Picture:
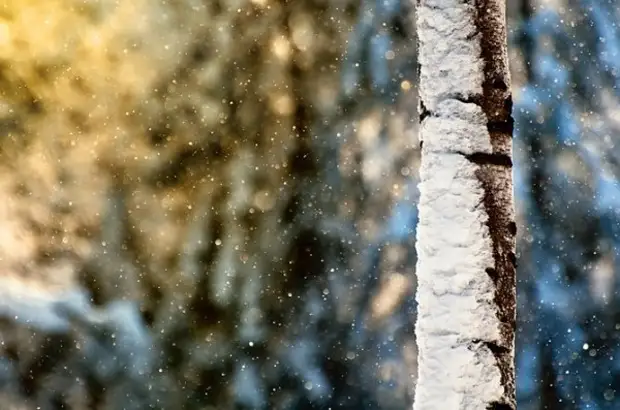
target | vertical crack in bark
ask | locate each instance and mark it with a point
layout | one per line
(502, 274)
(496, 178)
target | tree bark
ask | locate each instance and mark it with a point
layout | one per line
(466, 233)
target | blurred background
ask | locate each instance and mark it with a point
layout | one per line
(210, 204)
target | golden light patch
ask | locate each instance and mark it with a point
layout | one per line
(281, 48)
(5, 35)
(282, 104)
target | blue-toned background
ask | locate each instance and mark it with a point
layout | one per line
(568, 196)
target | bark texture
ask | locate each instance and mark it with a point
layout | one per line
(466, 234)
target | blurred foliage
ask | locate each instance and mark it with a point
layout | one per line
(569, 198)
(206, 204)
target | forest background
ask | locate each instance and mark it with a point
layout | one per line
(212, 204)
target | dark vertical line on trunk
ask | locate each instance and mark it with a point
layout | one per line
(496, 179)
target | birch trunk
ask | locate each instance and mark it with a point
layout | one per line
(466, 233)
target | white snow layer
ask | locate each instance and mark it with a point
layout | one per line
(455, 294)
(462, 128)
(456, 310)
(449, 52)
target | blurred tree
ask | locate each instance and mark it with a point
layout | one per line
(568, 195)
(205, 204)
(466, 233)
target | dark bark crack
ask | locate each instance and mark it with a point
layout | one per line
(499, 406)
(494, 347)
(483, 158)
(424, 112)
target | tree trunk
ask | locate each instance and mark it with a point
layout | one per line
(466, 234)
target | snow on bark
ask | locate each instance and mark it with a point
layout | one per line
(465, 237)
(449, 51)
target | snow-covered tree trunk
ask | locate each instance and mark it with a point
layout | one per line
(465, 237)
